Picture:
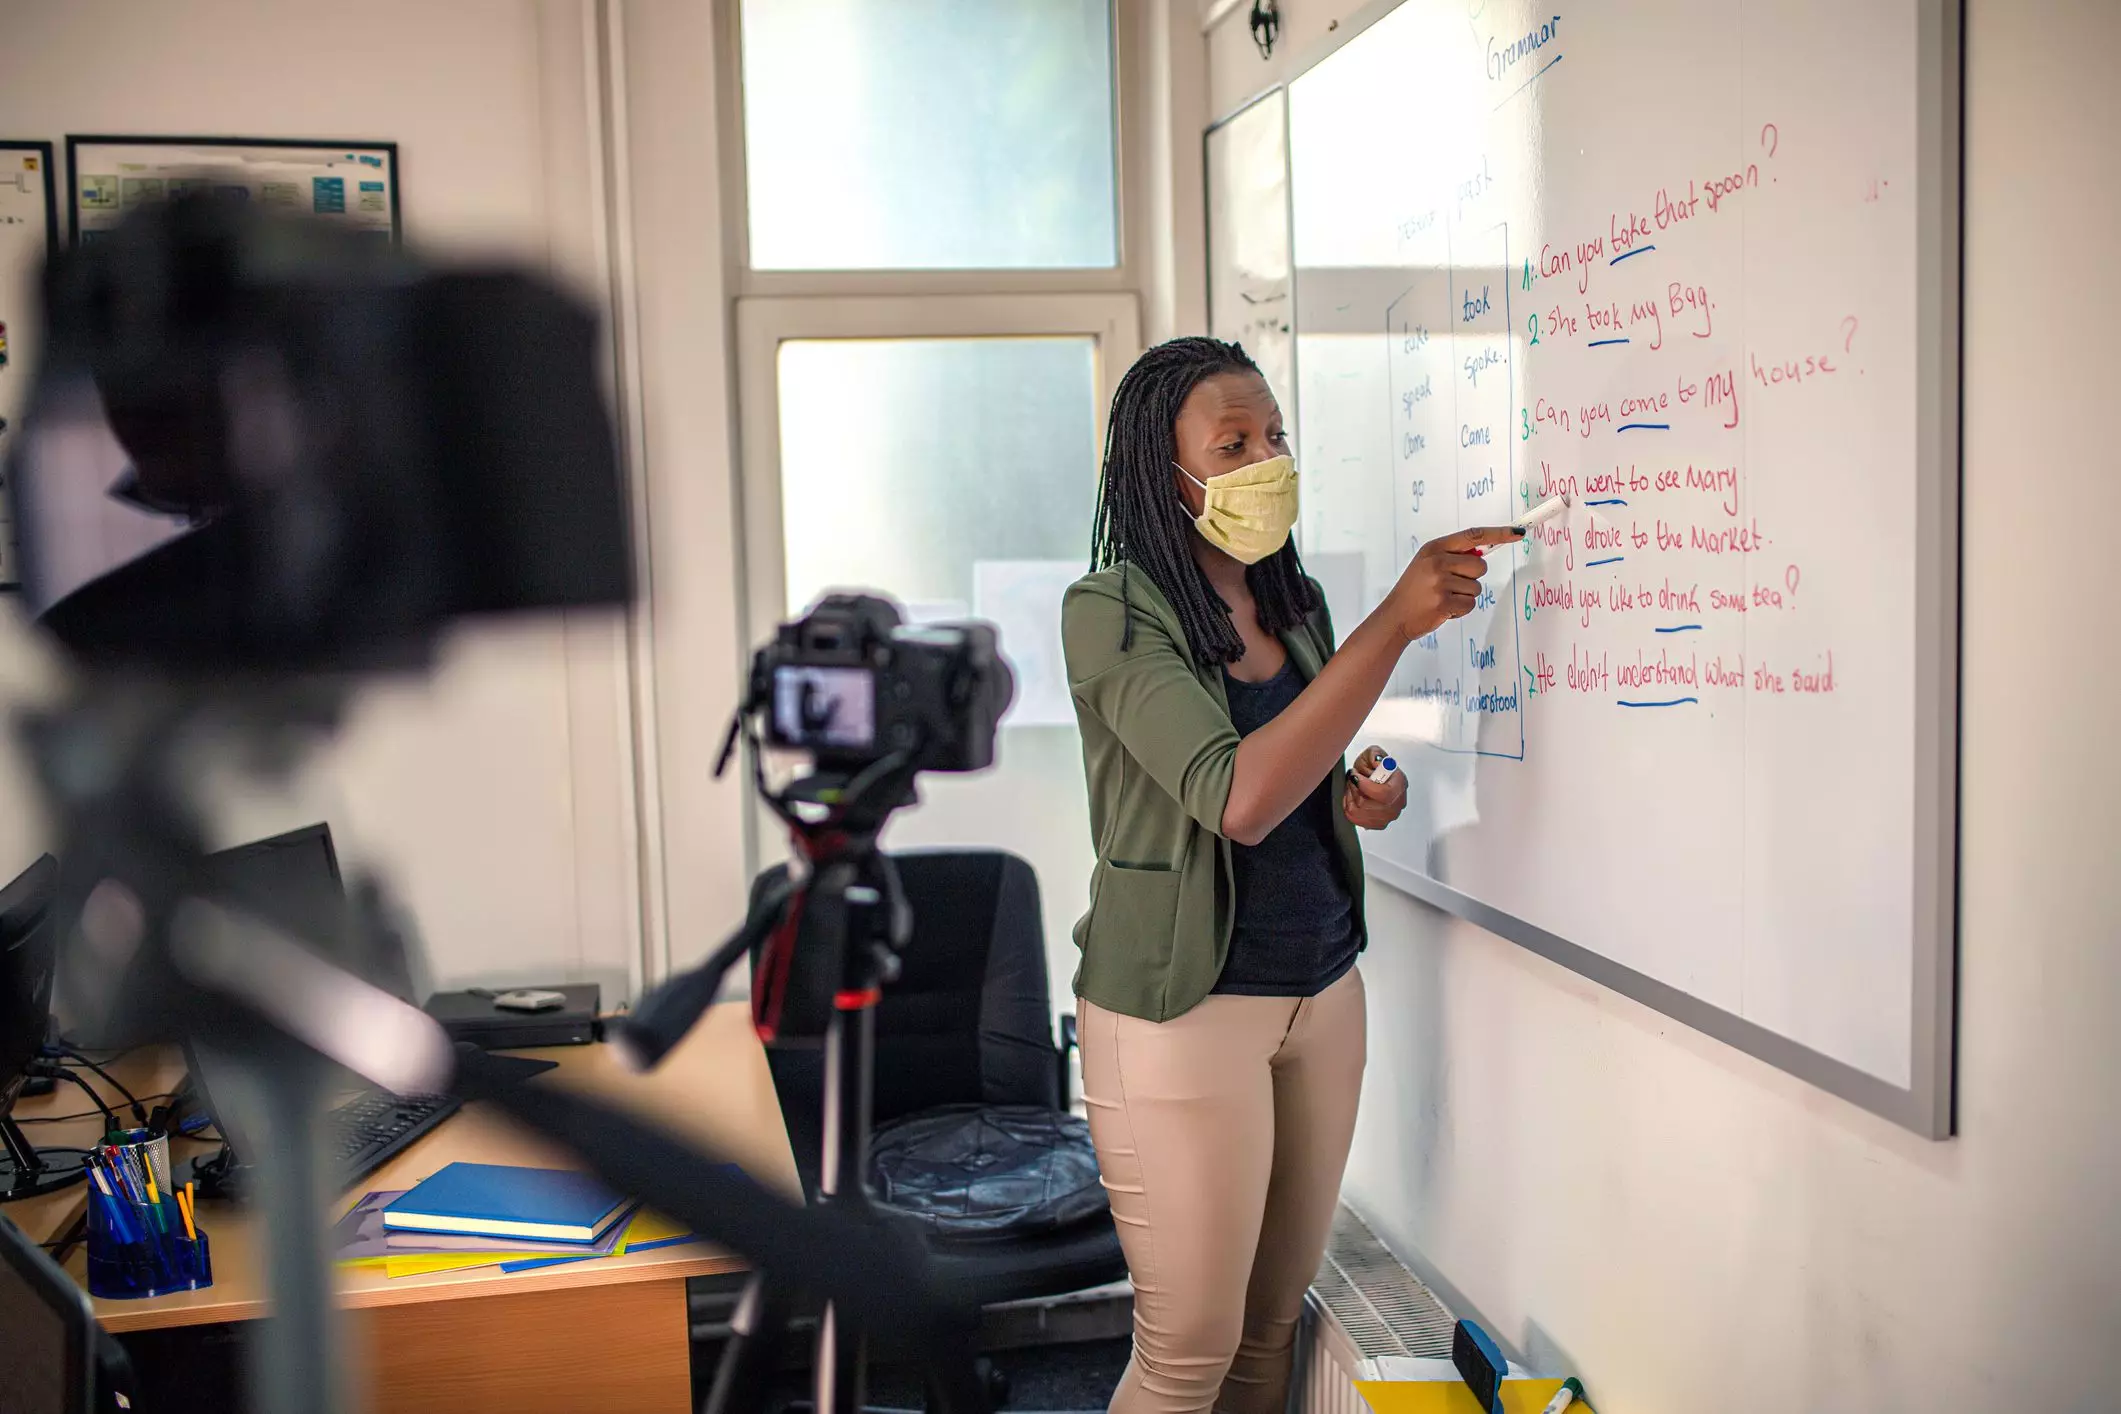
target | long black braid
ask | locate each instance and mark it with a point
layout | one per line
(1143, 523)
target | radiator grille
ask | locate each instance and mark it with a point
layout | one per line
(1364, 1305)
(1382, 1308)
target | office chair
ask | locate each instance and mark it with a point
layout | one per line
(968, 1022)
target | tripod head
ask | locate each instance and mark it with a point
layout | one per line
(873, 703)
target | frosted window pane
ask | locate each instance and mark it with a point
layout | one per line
(958, 476)
(929, 134)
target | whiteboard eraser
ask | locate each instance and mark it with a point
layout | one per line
(1546, 510)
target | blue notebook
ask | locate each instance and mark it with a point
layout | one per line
(496, 1200)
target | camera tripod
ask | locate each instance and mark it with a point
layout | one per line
(827, 935)
(155, 952)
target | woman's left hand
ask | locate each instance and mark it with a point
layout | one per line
(1368, 805)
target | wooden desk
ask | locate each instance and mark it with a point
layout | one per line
(607, 1334)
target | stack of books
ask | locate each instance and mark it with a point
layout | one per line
(483, 1215)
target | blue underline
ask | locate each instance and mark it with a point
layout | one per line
(1608, 501)
(1638, 250)
(1644, 427)
(1601, 343)
(1682, 628)
(1528, 82)
(1674, 702)
(1608, 560)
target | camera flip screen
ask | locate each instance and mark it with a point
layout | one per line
(830, 708)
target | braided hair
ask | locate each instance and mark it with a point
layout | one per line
(1143, 524)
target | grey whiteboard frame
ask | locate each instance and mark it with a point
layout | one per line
(1292, 395)
(1928, 1104)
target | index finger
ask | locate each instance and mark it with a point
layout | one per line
(1475, 536)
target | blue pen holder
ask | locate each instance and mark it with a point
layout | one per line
(137, 1248)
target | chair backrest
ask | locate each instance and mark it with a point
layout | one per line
(969, 1021)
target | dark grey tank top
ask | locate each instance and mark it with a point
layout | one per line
(1294, 934)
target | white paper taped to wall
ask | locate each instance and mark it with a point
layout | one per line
(1022, 599)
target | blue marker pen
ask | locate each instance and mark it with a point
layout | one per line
(1382, 772)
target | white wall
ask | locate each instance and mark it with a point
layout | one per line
(497, 796)
(1690, 1229)
(679, 197)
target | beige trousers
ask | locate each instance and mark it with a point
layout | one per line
(1222, 1135)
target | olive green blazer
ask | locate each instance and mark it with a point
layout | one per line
(1159, 753)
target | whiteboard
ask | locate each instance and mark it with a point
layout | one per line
(1694, 262)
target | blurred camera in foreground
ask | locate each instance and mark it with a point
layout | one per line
(260, 444)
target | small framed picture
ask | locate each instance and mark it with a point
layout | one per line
(354, 183)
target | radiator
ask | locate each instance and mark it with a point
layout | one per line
(1364, 1305)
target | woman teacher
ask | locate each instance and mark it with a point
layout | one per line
(1221, 1012)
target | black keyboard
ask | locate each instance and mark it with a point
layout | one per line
(370, 1130)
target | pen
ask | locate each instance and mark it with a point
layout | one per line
(1546, 510)
(111, 1212)
(118, 1208)
(184, 1206)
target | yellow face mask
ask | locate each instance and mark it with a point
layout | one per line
(1247, 513)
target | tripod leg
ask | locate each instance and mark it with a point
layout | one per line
(842, 1366)
(752, 1356)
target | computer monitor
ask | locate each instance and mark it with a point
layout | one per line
(299, 869)
(294, 879)
(55, 1359)
(28, 962)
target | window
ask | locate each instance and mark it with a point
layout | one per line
(943, 451)
(917, 462)
(935, 308)
(929, 134)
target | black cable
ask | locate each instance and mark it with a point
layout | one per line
(139, 1110)
(107, 1054)
(69, 1239)
(80, 1114)
(59, 1072)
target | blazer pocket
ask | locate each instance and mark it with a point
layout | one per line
(1133, 919)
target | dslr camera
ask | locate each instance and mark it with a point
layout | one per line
(854, 687)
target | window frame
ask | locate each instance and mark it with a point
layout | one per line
(770, 306)
(1129, 192)
(1110, 321)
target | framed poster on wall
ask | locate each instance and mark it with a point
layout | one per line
(354, 183)
(29, 228)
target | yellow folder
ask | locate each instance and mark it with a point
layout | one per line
(1452, 1397)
